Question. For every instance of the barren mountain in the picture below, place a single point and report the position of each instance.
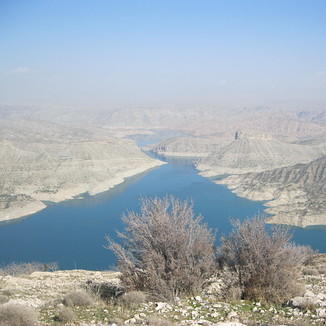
(256, 154)
(296, 194)
(191, 147)
(219, 122)
(33, 172)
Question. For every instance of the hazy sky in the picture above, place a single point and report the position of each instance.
(162, 52)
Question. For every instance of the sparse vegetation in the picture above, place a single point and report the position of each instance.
(133, 299)
(156, 321)
(166, 250)
(16, 269)
(78, 298)
(66, 315)
(17, 315)
(265, 263)
(3, 299)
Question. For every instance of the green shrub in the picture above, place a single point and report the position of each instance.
(17, 315)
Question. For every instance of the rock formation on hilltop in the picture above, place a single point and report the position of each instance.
(256, 154)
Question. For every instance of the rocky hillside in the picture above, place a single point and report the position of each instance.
(34, 172)
(296, 194)
(82, 298)
(256, 154)
(188, 147)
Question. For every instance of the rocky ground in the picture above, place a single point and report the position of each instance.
(49, 293)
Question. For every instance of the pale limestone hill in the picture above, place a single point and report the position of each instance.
(188, 146)
(33, 172)
(296, 195)
(256, 154)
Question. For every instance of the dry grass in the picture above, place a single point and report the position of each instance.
(78, 298)
(3, 298)
(66, 315)
(155, 321)
(133, 299)
(16, 269)
(17, 315)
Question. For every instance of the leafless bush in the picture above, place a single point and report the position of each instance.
(16, 269)
(66, 315)
(133, 299)
(78, 298)
(303, 255)
(166, 251)
(310, 271)
(17, 315)
(265, 263)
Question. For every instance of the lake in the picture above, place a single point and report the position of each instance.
(72, 233)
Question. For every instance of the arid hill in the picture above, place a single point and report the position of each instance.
(256, 154)
(34, 172)
(296, 194)
(221, 122)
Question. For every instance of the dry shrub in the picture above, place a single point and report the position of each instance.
(265, 262)
(66, 315)
(3, 299)
(310, 271)
(303, 255)
(17, 315)
(166, 251)
(155, 321)
(133, 299)
(322, 270)
(16, 269)
(78, 298)
(117, 321)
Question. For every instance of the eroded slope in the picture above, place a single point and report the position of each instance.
(296, 195)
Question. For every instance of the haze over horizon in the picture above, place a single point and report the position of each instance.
(154, 53)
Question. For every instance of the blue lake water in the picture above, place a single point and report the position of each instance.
(72, 233)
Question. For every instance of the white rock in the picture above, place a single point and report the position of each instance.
(309, 294)
(160, 305)
(321, 312)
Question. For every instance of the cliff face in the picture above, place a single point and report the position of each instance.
(256, 154)
(296, 194)
(34, 172)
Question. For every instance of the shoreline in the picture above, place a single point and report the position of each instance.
(283, 211)
(38, 204)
